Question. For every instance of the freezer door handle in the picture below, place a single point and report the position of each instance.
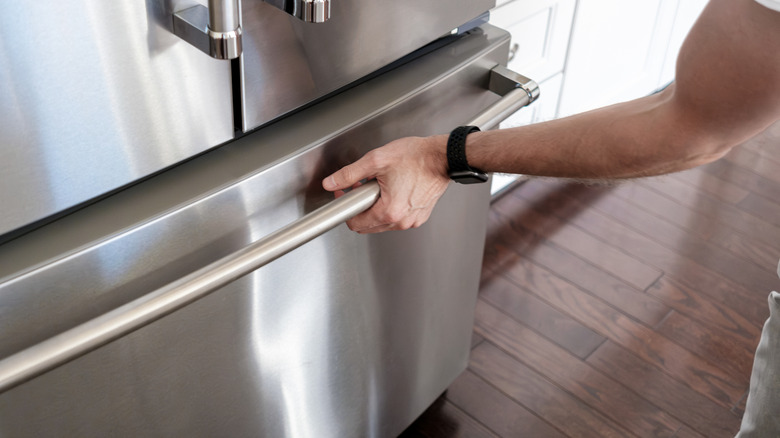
(18, 368)
(215, 31)
(73, 343)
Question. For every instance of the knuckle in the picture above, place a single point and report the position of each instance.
(376, 158)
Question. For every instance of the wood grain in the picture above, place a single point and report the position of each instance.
(570, 415)
(636, 337)
(665, 246)
(578, 271)
(597, 390)
(675, 397)
(444, 420)
(495, 410)
(528, 309)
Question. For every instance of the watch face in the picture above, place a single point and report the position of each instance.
(468, 177)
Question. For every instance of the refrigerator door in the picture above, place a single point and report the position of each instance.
(95, 95)
(346, 336)
(315, 59)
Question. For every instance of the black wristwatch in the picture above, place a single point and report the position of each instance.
(459, 169)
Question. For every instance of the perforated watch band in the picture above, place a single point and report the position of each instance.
(459, 169)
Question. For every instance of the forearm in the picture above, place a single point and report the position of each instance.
(637, 138)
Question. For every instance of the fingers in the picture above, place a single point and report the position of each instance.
(348, 176)
(381, 218)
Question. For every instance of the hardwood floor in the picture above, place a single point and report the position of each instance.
(630, 310)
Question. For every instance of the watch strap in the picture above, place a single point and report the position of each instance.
(456, 149)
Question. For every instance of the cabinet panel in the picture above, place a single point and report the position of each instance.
(617, 52)
(540, 34)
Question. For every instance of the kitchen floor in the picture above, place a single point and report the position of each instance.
(624, 310)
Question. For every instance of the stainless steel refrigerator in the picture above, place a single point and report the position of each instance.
(144, 287)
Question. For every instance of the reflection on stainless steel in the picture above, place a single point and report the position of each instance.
(114, 98)
(136, 314)
(347, 336)
(361, 37)
(75, 342)
(224, 15)
(310, 11)
(215, 30)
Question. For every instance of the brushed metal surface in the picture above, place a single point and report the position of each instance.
(97, 332)
(95, 95)
(316, 59)
(348, 335)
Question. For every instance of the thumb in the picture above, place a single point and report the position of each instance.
(346, 177)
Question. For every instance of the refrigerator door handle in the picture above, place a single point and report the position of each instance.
(71, 344)
(516, 90)
(215, 31)
(27, 364)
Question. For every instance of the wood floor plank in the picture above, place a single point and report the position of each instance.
(658, 205)
(739, 408)
(761, 207)
(476, 339)
(496, 411)
(703, 308)
(691, 407)
(649, 222)
(733, 216)
(710, 184)
(684, 432)
(606, 257)
(720, 347)
(761, 253)
(754, 162)
(744, 178)
(618, 293)
(643, 341)
(543, 318)
(608, 221)
(530, 389)
(597, 390)
(444, 420)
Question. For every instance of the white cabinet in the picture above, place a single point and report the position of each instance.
(617, 52)
(623, 50)
(540, 35)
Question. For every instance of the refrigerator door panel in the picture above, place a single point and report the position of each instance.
(96, 95)
(315, 59)
(348, 335)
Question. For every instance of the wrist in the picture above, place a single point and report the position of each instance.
(436, 154)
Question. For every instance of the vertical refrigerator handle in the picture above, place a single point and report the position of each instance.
(20, 367)
(215, 30)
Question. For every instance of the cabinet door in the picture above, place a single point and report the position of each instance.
(616, 53)
(540, 34)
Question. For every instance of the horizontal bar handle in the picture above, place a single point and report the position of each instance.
(25, 365)
(516, 90)
(71, 344)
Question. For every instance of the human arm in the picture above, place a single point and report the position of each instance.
(727, 90)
